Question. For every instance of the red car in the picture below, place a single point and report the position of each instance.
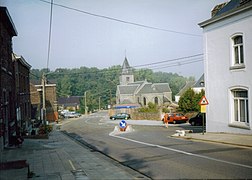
(177, 118)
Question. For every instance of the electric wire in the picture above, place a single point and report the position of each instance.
(123, 21)
(153, 66)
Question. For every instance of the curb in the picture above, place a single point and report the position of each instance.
(212, 141)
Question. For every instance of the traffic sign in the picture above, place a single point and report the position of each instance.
(203, 101)
(123, 124)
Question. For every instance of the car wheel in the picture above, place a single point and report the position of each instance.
(113, 118)
(125, 118)
(174, 122)
(193, 123)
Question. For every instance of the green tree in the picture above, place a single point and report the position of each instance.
(188, 102)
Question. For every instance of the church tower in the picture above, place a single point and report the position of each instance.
(126, 74)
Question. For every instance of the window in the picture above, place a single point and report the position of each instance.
(144, 101)
(237, 51)
(156, 100)
(240, 105)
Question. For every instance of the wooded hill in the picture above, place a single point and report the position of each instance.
(101, 83)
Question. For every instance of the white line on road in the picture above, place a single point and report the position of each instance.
(182, 152)
(72, 165)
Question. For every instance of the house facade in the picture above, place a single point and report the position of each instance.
(140, 92)
(36, 94)
(70, 103)
(7, 79)
(228, 67)
(22, 97)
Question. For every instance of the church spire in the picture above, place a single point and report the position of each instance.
(127, 73)
(126, 69)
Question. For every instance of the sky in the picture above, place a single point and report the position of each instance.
(162, 35)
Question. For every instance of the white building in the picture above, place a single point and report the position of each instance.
(228, 67)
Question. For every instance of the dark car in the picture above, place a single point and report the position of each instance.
(120, 116)
(197, 120)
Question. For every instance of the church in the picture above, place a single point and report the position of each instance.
(131, 94)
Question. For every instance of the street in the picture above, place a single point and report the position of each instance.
(152, 151)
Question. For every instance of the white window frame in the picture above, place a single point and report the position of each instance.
(237, 48)
(236, 121)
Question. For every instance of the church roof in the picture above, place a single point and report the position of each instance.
(127, 89)
(126, 69)
(154, 88)
(143, 87)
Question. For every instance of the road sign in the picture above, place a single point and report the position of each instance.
(203, 101)
(123, 124)
(203, 108)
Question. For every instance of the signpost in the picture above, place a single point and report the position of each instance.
(203, 103)
(123, 125)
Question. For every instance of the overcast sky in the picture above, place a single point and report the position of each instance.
(95, 40)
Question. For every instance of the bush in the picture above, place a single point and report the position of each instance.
(152, 108)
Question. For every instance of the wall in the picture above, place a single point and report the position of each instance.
(218, 76)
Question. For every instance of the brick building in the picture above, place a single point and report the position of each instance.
(22, 86)
(7, 79)
(36, 91)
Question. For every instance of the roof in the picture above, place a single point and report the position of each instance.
(231, 5)
(200, 82)
(21, 60)
(127, 89)
(188, 85)
(143, 87)
(5, 17)
(126, 69)
(228, 9)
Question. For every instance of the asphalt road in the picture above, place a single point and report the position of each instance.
(152, 151)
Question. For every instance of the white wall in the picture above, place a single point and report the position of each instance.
(218, 76)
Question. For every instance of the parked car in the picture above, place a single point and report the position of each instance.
(120, 116)
(176, 118)
(71, 115)
(197, 120)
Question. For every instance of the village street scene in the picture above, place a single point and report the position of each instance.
(97, 94)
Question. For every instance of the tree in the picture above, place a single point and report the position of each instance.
(188, 102)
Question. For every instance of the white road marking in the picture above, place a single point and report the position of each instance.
(182, 152)
(72, 165)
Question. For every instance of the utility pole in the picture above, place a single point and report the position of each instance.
(43, 97)
(110, 98)
(99, 103)
(85, 94)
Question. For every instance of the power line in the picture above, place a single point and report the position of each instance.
(123, 21)
(170, 60)
(156, 65)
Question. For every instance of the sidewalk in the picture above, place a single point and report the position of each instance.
(224, 138)
(61, 158)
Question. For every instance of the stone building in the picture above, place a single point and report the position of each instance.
(140, 92)
(7, 79)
